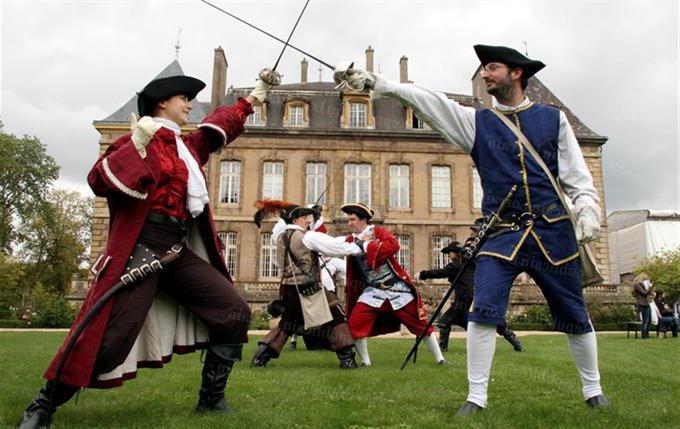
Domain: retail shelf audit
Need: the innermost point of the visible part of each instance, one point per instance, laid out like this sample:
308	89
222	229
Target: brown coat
643	296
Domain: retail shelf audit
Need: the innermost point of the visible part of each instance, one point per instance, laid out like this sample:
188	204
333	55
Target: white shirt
456	124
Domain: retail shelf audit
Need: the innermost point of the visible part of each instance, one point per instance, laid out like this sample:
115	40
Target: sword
468	255
340	70
269	34
127	280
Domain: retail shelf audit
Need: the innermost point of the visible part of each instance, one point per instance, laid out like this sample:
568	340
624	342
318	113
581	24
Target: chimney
403	69
219	81
303	70
369	59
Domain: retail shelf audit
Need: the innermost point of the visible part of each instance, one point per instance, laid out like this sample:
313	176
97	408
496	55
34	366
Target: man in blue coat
539	238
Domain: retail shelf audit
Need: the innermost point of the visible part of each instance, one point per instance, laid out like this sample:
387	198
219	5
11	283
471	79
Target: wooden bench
636	326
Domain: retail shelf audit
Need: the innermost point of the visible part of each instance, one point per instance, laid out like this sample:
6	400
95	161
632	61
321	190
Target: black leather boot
219	361
39	412
511	337
262	356
444	333
346	358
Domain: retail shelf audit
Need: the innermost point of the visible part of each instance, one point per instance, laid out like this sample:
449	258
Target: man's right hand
356	79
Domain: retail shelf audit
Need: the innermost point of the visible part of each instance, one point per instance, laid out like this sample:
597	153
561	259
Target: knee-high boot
39	412
444	332
219	361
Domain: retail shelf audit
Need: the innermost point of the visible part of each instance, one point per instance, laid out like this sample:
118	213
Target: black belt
523	220
166	219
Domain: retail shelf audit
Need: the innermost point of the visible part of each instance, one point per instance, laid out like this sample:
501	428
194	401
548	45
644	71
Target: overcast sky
614	64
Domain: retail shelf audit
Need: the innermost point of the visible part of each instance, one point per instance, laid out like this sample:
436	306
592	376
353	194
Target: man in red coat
380	295
157	196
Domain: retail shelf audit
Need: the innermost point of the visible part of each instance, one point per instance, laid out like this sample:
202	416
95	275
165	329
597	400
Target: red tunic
382	249
131	185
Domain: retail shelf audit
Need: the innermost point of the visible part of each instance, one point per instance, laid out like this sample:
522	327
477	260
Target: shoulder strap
530	148
295	260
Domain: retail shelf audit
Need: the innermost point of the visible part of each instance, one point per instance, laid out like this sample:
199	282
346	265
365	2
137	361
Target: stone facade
326	132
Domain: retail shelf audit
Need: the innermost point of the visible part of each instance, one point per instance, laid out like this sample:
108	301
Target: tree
54	241
26	174
664	271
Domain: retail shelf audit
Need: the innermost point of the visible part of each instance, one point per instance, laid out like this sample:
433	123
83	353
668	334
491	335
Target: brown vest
307	259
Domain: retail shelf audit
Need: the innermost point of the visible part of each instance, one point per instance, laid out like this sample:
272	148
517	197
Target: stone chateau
309	137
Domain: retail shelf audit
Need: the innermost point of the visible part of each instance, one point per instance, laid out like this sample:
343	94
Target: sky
65	64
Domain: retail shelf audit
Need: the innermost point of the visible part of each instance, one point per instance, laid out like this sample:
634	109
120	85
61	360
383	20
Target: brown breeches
192	282
292	321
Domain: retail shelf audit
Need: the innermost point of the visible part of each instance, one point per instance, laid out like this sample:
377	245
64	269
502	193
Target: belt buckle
383	286
526	218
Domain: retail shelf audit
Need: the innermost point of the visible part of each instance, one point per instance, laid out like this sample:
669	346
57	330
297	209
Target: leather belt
522	220
166	219
387	283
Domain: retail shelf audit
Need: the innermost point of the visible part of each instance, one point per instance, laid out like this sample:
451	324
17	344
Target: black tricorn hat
295	211
508	56
165	87
361	210
453	246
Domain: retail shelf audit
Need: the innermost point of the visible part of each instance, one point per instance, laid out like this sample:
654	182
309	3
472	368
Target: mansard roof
122	115
537	91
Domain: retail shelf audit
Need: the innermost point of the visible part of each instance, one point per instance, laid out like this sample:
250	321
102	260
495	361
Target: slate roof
122	115
326	106
537	91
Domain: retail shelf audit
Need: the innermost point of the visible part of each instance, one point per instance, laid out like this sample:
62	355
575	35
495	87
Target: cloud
73	62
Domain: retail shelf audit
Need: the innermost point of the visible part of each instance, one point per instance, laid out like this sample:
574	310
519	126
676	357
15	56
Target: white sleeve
454	122
573	171
329	246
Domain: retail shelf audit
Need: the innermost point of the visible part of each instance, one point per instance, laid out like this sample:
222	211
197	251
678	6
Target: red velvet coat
129	184
382	249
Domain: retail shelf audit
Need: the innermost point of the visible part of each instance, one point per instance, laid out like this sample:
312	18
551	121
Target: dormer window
258	117
357	111
413	122
357	115
296	113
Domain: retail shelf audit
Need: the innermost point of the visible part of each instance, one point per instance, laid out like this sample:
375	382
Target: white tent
635	235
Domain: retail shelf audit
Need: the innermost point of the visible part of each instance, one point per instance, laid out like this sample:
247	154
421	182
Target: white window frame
230	182
315	182
230	251
272	180
296	115
477	191
400	184
256	119
357	114
404	253
441	186
439	260
268	268
358	176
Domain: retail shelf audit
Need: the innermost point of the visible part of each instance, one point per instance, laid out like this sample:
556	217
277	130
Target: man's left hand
587	225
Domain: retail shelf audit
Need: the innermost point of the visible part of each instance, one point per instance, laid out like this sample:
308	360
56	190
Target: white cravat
197	192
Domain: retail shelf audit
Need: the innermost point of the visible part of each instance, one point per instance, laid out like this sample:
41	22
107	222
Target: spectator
666	320
642	291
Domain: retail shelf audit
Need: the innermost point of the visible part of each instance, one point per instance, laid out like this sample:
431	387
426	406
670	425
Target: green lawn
538	388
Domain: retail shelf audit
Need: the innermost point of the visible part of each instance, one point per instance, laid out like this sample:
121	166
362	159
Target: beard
502	91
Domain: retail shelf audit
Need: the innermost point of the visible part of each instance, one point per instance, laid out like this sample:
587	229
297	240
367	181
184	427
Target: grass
537	388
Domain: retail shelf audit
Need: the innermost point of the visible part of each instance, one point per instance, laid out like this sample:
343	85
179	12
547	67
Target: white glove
268	78
356	79
142	131
587	220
